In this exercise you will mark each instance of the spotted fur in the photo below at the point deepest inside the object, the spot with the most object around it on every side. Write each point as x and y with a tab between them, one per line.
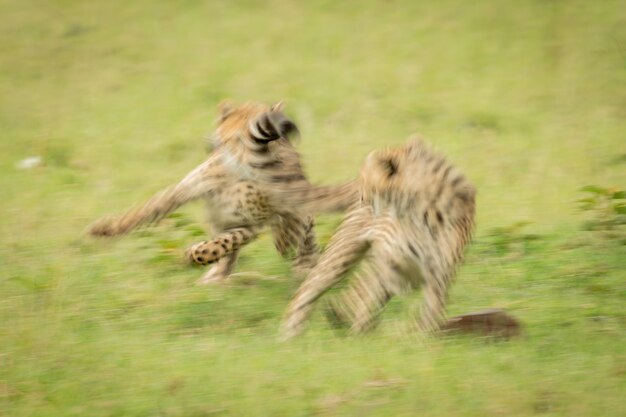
414	219
253	178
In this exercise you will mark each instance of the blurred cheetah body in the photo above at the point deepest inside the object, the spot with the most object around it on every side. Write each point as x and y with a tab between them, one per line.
253	178
409	230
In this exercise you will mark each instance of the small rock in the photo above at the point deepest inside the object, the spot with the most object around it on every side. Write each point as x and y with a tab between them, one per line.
29	163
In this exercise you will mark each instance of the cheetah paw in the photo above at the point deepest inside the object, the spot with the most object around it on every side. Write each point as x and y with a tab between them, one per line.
204	253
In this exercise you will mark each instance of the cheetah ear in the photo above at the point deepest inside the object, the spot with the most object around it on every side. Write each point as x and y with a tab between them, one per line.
390	165
225	107
279	106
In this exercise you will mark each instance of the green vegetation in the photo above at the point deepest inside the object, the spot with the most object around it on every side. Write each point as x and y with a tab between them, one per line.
528	98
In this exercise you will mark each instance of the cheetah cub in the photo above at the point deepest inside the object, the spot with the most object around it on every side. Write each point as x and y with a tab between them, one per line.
252	179
409	230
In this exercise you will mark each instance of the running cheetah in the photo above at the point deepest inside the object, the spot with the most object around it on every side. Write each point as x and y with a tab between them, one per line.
409	230
253	178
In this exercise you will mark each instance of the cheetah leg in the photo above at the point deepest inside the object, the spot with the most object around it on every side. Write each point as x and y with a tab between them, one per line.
435	293
346	248
290	232
283	241
224	244
195	185
287	232
308	251
221	270
359	305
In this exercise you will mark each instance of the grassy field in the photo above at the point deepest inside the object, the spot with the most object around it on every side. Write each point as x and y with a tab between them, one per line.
528	98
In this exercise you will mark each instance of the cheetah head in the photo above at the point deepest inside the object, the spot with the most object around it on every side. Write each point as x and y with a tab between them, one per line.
253	124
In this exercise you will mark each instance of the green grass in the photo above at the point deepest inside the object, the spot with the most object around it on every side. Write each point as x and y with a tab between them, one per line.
528	98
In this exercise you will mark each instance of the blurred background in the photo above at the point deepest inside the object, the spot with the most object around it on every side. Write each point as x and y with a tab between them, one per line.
102	103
